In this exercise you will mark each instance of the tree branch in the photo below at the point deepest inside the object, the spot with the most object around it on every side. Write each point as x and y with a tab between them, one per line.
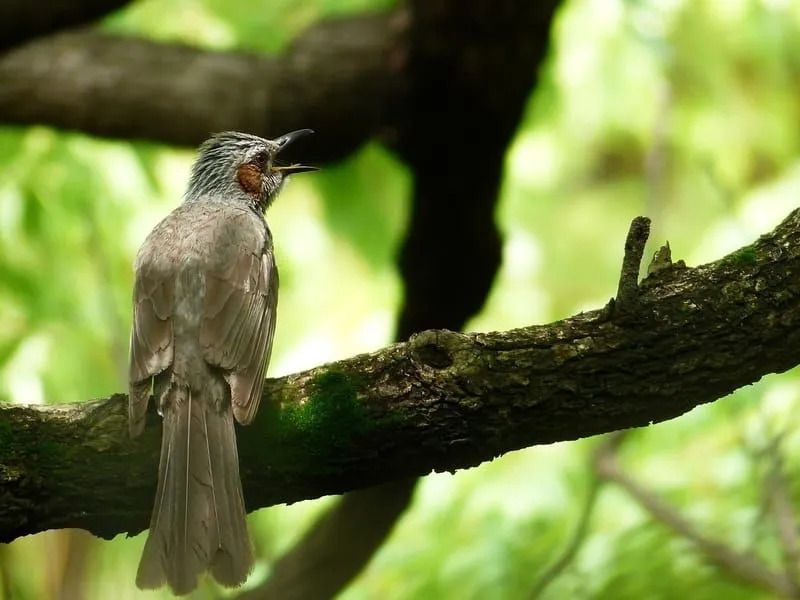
441	401
575	543
779	499
335	78
742	566
628	287
470	71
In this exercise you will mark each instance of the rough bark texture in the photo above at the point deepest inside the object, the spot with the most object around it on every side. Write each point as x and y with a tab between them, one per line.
440	401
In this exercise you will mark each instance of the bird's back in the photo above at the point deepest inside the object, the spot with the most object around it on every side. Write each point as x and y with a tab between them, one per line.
197	240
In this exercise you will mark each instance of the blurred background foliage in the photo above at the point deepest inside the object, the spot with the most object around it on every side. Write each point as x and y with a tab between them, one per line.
684	110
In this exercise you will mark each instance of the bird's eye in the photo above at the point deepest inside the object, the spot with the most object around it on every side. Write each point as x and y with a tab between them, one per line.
260	159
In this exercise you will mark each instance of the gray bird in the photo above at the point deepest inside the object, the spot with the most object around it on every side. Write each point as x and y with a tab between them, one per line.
203	320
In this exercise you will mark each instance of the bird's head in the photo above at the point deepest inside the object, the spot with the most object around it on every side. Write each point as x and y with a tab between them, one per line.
242	168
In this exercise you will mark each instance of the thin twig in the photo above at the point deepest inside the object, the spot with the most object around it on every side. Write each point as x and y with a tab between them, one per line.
574	545
628	288
744	567
778	500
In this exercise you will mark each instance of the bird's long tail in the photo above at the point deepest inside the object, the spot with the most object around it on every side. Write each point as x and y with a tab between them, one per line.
198	520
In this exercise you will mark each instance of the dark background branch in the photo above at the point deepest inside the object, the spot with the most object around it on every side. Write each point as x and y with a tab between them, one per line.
464	104
22	20
335	78
567	556
442	401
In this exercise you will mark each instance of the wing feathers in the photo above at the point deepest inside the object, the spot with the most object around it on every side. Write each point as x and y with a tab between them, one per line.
151	339
238	327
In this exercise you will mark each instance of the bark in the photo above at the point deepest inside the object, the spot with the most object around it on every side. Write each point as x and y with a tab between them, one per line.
441	401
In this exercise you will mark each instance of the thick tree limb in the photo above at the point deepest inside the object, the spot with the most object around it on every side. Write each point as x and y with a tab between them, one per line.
441	401
22	20
334	78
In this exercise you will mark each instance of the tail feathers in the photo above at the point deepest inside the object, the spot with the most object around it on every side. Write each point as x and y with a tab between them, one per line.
198	520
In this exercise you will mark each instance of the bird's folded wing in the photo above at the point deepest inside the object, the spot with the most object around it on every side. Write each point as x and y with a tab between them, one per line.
151	335
239	324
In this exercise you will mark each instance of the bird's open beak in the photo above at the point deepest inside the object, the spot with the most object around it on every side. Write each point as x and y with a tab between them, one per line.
287	140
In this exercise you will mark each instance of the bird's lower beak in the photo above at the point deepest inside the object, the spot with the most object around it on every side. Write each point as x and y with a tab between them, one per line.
287	140
290	169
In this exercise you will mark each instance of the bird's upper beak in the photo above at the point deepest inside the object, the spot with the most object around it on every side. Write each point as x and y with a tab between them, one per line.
287	140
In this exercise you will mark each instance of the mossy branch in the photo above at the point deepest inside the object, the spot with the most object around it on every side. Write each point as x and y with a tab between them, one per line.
441	401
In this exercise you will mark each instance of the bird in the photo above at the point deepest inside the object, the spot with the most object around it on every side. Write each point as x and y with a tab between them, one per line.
204	309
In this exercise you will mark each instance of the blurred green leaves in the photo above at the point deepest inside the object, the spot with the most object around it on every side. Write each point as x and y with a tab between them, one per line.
361	204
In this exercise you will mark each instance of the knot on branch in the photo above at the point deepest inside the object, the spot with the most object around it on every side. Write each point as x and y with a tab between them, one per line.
434	348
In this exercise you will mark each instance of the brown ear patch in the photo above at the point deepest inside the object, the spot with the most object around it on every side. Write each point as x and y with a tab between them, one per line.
249	178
